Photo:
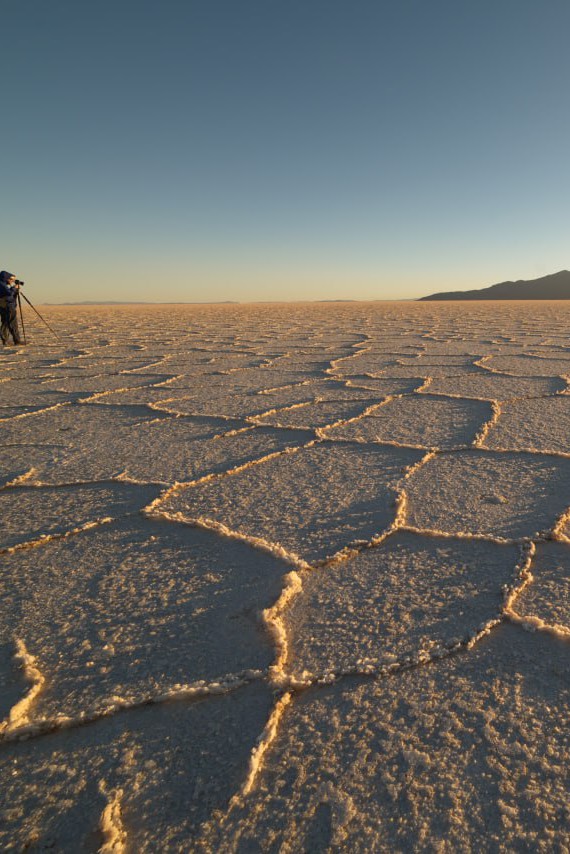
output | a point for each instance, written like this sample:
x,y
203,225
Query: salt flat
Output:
x,y
286,578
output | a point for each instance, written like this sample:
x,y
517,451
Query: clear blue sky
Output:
x,y
200,150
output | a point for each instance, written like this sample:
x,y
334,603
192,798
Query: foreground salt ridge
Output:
x,y
277,674
111,825
18,716
19,727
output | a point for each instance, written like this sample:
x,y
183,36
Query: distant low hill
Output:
x,y
555,286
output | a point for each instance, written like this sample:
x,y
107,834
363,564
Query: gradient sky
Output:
x,y
196,150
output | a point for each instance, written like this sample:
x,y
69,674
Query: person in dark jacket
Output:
x,y
9,291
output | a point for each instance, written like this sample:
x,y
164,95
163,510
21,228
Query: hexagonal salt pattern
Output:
x,y
228,625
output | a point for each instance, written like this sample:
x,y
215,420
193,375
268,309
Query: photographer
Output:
x,y
9,290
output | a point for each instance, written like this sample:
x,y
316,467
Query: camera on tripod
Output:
x,y
19,282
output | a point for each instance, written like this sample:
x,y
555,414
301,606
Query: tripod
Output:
x,y
38,314
22,318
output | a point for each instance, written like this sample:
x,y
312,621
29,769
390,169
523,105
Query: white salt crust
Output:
x,y
293,577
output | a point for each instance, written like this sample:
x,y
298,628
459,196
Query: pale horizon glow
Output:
x,y
221,151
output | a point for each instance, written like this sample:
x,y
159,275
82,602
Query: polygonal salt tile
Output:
x,y
384,387
498,494
29,513
547,599
461,349
420,369
166,768
412,594
438,360
105,382
100,362
312,415
363,363
473,750
63,373
313,502
426,421
241,382
224,362
529,366
316,364
496,386
540,425
331,389
148,396
239,405
403,343
130,610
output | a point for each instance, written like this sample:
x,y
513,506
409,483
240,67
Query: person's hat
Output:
x,y
6,276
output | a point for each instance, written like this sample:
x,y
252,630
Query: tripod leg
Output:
x,y
22,319
41,318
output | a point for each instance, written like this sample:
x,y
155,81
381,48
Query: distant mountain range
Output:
x,y
555,286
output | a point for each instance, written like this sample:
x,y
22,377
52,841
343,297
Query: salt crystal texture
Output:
x,y
286,578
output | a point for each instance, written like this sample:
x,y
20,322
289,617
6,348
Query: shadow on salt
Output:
x,y
136,610
168,768
31,394
12,683
29,513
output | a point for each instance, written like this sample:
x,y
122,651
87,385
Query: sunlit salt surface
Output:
x,y
286,578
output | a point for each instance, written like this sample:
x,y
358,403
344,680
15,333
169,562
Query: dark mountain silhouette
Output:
x,y
555,286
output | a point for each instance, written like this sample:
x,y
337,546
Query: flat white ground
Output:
x,y
286,578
